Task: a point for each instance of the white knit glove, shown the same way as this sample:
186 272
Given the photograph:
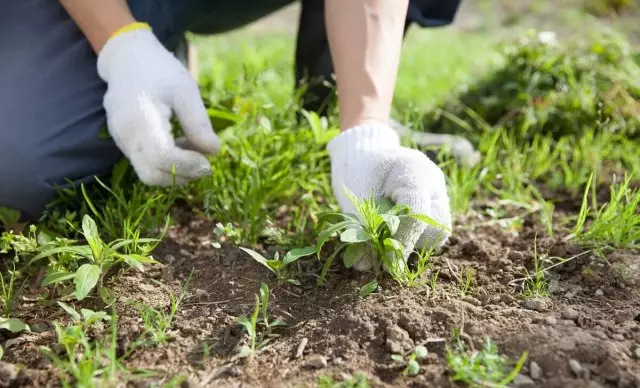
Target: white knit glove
146 83
369 160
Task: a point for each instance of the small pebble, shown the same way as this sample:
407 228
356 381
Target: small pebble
551 321
576 368
637 353
301 346
200 293
600 334
316 362
567 344
537 304
535 371
599 292
234 371
570 313
523 381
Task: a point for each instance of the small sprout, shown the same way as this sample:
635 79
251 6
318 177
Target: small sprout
279 266
411 362
369 288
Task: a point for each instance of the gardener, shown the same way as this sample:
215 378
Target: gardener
68 65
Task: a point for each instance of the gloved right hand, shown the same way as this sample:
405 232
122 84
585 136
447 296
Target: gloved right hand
146 83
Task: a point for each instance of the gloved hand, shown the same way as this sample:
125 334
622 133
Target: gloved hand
369 160
146 83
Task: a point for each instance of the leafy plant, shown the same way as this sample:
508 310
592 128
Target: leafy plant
85 317
536 285
250 324
7 290
482 368
615 224
223 233
359 380
158 322
371 237
465 280
278 266
13 325
92 261
368 288
410 362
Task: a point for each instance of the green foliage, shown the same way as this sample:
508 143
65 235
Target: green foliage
608 7
279 266
486 367
266 168
411 362
13 325
371 237
545 87
157 321
359 380
615 224
258 339
87 264
81 362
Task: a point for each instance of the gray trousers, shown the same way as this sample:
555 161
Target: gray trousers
51 113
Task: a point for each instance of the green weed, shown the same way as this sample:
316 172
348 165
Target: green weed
482 368
372 238
411 362
81 362
616 224
88 264
466 279
158 322
258 340
278 266
535 285
359 380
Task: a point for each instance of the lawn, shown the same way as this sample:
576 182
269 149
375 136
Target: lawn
243 278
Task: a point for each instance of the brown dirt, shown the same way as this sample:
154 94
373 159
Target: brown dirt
592 315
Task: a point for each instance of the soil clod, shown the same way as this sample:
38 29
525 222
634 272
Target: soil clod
535 371
316 362
398 340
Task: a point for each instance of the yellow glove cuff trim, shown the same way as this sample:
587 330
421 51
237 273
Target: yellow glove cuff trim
131 27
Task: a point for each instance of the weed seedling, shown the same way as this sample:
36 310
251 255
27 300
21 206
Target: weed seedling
85 317
224 233
250 324
535 285
279 266
368 288
94 260
359 380
410 362
482 368
7 290
616 224
465 281
158 322
373 237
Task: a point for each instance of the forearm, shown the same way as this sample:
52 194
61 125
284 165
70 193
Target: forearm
98 19
365 38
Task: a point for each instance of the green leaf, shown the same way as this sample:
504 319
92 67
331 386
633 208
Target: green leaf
86 278
118 172
354 253
421 352
14 325
9 217
392 222
1 353
413 368
56 277
274 264
429 221
264 296
90 232
368 288
137 261
326 234
246 323
258 257
82 251
70 310
393 245
91 316
296 254
294 282
397 358
384 205
355 235
106 295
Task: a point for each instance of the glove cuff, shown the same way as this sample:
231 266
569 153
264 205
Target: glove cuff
365 137
121 47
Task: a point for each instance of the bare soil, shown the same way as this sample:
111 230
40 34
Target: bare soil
592 315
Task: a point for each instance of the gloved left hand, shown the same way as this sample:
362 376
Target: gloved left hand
146 83
368 160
